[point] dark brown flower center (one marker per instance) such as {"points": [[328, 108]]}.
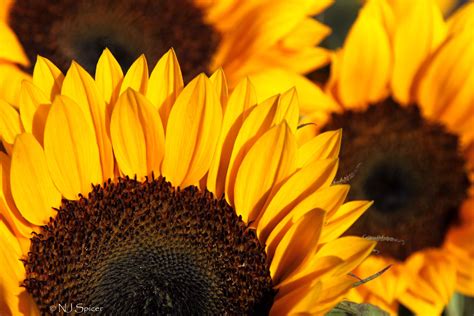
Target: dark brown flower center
{"points": [[411, 168], [145, 248], [69, 30]]}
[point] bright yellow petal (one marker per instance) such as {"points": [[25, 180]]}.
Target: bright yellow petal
{"points": [[166, 83], [32, 188], [31, 97], [365, 62], [267, 163], [327, 199], [47, 77], [137, 135], [10, 123], [445, 90], [192, 133], [220, 84], [12, 50], [108, 76], [411, 47], [288, 109], [324, 146], [273, 81], [241, 99], [136, 76], [81, 88], [298, 243], [11, 78], [462, 19], [345, 216], [285, 305], [353, 250], [71, 149], [8, 209], [332, 293], [295, 189]]}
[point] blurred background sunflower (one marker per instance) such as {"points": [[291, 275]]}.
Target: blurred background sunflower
{"points": [[138, 194], [401, 90], [272, 39]]}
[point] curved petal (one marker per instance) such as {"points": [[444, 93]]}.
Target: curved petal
{"points": [[71, 149], [82, 89], [32, 188], [267, 163], [136, 76], [11, 78], [324, 146], [298, 243], [445, 90], [295, 189], [165, 84], [220, 84], [108, 76], [137, 135], [345, 216], [12, 50], [10, 123], [8, 210], [364, 64], [410, 48], [47, 77], [31, 97], [240, 100], [192, 133]]}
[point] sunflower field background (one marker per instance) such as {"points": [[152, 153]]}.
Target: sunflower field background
{"points": [[237, 157]]}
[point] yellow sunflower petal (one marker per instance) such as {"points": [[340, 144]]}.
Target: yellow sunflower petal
{"points": [[295, 189], [273, 81], [8, 208], [240, 100], [32, 188], [312, 269], [288, 304], [192, 133], [324, 146], [259, 120], [80, 87], [332, 292], [445, 91], [72, 154], [345, 216], [137, 135], [427, 292], [288, 109], [108, 76], [165, 84], [12, 50], [13, 272], [353, 250], [136, 76], [412, 48], [220, 83], [298, 243], [11, 78], [266, 164], [307, 32], [31, 97], [365, 61], [47, 77], [10, 123], [327, 199], [462, 19]]}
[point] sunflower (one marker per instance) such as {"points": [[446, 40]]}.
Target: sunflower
{"points": [[404, 98], [138, 194], [272, 40]]}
